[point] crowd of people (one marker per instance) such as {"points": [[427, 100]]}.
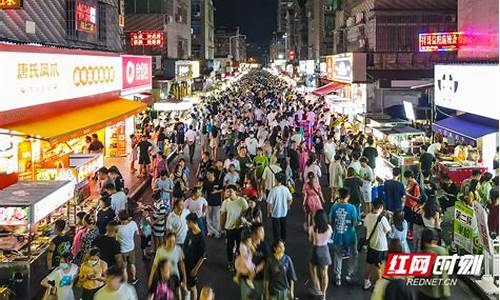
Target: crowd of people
{"points": [[263, 148]]}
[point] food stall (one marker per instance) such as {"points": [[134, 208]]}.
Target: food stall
{"points": [[397, 147], [27, 211], [458, 172]]}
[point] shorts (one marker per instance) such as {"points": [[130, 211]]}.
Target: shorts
{"points": [[374, 257], [144, 160], [129, 258]]}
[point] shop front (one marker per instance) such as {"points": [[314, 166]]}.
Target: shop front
{"points": [[185, 73], [347, 91], [51, 103], [473, 121]]}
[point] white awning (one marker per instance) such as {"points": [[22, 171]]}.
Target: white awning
{"points": [[173, 106]]}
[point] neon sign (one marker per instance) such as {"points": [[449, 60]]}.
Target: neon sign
{"points": [[440, 41], [11, 4], [86, 19], [146, 38]]}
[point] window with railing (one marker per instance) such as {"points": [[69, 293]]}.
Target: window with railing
{"points": [[101, 22], [70, 20]]}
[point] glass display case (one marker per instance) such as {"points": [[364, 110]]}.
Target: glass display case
{"points": [[27, 211]]}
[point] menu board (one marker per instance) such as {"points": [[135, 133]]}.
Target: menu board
{"points": [[116, 143]]}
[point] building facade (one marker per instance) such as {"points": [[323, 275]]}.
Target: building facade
{"points": [[387, 32], [202, 25], [315, 12], [54, 23], [287, 38], [172, 18], [230, 42]]}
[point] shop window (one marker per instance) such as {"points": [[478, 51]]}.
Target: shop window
{"points": [[101, 26]]}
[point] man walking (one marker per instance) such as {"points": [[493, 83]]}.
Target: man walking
{"points": [[212, 187], [231, 212], [278, 203]]}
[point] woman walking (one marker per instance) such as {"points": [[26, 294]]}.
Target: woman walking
{"points": [[313, 199], [319, 234]]}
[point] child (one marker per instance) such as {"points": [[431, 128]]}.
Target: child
{"points": [[243, 263], [145, 230]]}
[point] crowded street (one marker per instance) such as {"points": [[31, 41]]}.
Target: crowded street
{"points": [[249, 150]]}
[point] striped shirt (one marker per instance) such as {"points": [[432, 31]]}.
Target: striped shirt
{"points": [[158, 218]]}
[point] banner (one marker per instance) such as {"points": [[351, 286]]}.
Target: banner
{"points": [[463, 227], [137, 73], [29, 78]]}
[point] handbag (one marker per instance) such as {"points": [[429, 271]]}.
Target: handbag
{"points": [[50, 294]]}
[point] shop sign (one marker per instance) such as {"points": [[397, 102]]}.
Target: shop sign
{"points": [[482, 221], [137, 73], [86, 17], [147, 38], [11, 4], [27, 79], [43, 208], [329, 67], [342, 67], [186, 69], [463, 229], [462, 88], [440, 41]]}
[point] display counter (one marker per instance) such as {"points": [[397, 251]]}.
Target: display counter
{"points": [[385, 164], [27, 211], [459, 172]]}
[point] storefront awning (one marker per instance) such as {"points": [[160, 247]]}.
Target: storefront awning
{"points": [[462, 130], [76, 123], [326, 89]]}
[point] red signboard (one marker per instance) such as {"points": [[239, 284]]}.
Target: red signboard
{"points": [[147, 38], [329, 67], [440, 41], [11, 4], [137, 74], [86, 17]]}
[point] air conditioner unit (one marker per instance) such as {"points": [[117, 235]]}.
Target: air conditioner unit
{"points": [[170, 19], [180, 19], [157, 62], [197, 14], [329, 8]]}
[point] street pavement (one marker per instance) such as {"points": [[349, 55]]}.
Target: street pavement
{"points": [[214, 271]]}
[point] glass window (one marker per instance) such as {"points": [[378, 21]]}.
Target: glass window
{"points": [[130, 6], [141, 6], [155, 6]]}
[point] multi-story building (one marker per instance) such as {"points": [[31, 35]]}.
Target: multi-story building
{"points": [[329, 27], [230, 42], [170, 17], [387, 32], [315, 12], [289, 27], [54, 23], [202, 25]]}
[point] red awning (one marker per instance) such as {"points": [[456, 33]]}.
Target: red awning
{"points": [[326, 89]]}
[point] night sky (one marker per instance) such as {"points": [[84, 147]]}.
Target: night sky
{"points": [[256, 18]]}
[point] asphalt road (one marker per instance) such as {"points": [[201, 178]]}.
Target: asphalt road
{"points": [[214, 270]]}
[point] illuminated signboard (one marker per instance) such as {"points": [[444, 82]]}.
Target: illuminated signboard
{"points": [[146, 38], [440, 41], [11, 4], [86, 17]]}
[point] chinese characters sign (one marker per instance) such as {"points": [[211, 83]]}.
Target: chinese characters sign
{"points": [[11, 4], [137, 74], [440, 41], [186, 69], [346, 67], [28, 79], [86, 19], [146, 38]]}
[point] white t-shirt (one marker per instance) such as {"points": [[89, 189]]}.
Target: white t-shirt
{"points": [[234, 162], [196, 206], [329, 148], [268, 176], [233, 209], [125, 292], [433, 148], [379, 239], [279, 197], [118, 201], [125, 236], [356, 165], [297, 138], [231, 178], [178, 225], [173, 256], [191, 135], [64, 282], [252, 145]]}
